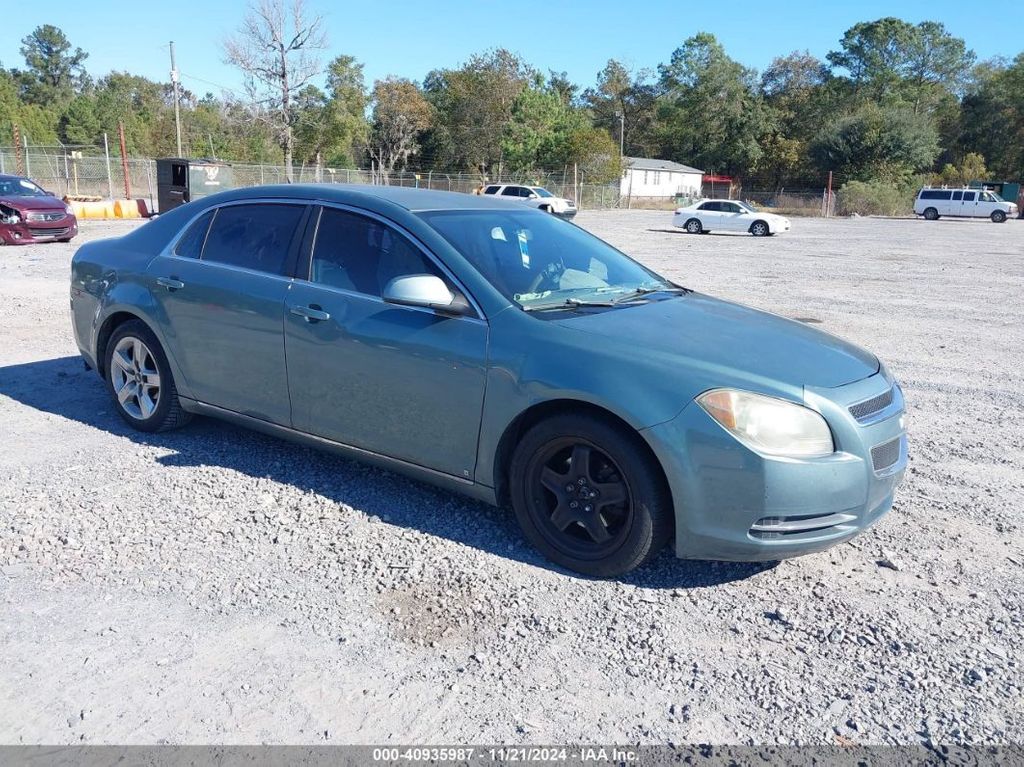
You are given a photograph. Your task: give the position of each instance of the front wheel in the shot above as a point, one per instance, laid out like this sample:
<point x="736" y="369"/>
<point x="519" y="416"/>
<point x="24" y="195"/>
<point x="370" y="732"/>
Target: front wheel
<point x="998" y="217"/>
<point x="590" y="496"/>
<point x="931" y="214"/>
<point x="140" y="381"/>
<point x="693" y="226"/>
<point x="759" y="229"/>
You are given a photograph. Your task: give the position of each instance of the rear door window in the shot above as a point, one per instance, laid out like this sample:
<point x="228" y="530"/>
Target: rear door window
<point x="256" y="236"/>
<point x="957" y="196"/>
<point x="511" y="191"/>
<point x="969" y="196"/>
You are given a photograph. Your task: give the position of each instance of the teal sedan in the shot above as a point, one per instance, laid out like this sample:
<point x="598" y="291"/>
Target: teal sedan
<point x="503" y="353"/>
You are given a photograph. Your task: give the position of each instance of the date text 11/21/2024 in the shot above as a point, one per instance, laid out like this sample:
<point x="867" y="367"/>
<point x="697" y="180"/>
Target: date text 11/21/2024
<point x="538" y="754"/>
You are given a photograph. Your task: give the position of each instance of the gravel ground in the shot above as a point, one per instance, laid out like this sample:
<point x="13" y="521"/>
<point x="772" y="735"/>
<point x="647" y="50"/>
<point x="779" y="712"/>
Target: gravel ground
<point x="215" y="585"/>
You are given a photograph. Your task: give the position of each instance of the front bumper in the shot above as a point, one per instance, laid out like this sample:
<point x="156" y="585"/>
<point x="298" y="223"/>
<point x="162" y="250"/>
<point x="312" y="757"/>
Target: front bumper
<point x="28" y="232"/>
<point x="568" y="214"/>
<point x="734" y="504"/>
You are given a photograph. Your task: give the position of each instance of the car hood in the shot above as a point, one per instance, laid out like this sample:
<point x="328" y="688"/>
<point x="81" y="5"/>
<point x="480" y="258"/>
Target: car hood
<point x="31" y="203"/>
<point x="728" y="340"/>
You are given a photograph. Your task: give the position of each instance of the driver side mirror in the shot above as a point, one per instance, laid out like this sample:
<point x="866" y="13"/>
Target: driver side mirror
<point x="427" y="291"/>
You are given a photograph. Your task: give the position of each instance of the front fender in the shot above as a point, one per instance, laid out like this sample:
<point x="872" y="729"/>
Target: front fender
<point x="522" y="375"/>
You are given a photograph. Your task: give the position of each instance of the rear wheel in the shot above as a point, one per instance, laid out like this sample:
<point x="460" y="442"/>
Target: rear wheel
<point x="589" y="496"/>
<point x="931" y="214"/>
<point x="759" y="229"/>
<point x="140" y="381"/>
<point x="998" y="217"/>
<point x="693" y="226"/>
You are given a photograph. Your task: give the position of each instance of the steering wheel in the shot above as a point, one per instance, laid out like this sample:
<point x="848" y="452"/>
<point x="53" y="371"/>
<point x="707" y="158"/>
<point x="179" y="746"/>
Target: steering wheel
<point x="547" y="277"/>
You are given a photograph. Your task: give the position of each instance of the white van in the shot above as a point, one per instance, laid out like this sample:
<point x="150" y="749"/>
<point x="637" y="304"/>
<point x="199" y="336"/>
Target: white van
<point x="973" y="203"/>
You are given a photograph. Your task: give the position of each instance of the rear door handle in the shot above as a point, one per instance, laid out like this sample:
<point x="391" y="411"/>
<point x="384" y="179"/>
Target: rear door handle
<point x="311" y="313"/>
<point x="170" y="283"/>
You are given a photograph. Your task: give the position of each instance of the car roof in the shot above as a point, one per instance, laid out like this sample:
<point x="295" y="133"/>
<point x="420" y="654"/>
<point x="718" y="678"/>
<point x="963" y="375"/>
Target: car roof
<point x="411" y="199"/>
<point x="9" y="177"/>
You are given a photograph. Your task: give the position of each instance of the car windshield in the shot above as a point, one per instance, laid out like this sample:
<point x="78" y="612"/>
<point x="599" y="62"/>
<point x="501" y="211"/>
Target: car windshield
<point x="747" y="205"/>
<point x="540" y="261"/>
<point x="541" y="191"/>
<point x="20" y="187"/>
<point x="993" y="197"/>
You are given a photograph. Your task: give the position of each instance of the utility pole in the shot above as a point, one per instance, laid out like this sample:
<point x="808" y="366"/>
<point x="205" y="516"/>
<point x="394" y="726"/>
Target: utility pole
<point x="174" y="87"/>
<point x="622" y="133"/>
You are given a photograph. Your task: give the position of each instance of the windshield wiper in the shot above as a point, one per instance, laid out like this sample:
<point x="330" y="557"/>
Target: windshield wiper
<point x="569" y="303"/>
<point x="643" y="291"/>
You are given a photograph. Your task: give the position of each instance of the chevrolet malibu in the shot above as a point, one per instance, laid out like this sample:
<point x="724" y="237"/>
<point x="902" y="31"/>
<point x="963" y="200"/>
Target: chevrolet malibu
<point x="494" y="350"/>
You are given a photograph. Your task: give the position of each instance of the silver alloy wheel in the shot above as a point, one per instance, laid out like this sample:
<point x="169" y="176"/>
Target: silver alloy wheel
<point x="135" y="377"/>
<point x="759" y="229"/>
<point x="693" y="226"/>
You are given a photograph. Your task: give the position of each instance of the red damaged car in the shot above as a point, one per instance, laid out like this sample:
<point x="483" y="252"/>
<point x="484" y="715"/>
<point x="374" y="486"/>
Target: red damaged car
<point x="30" y="214"/>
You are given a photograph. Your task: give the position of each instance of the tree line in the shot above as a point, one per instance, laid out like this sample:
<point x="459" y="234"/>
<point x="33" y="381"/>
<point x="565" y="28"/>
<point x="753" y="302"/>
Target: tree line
<point x="892" y="101"/>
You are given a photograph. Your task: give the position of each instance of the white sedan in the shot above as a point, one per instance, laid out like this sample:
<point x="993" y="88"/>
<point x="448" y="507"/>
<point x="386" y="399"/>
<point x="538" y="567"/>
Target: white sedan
<point x="728" y="216"/>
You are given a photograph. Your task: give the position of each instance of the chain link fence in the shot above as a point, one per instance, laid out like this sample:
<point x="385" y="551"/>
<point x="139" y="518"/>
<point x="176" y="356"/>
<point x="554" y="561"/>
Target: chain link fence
<point x="74" y="171"/>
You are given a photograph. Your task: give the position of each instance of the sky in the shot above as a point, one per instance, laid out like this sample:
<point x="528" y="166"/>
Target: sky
<point x="408" y="38"/>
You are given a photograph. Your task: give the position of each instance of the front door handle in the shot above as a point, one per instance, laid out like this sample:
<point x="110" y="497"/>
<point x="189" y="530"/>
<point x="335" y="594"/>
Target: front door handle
<point x="170" y="283"/>
<point x="312" y="313"/>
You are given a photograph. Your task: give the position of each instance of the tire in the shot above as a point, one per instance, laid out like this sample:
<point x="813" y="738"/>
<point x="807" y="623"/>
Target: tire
<point x="607" y="515"/>
<point x="998" y="217"/>
<point x="931" y="214"/>
<point x="693" y="226"/>
<point x="760" y="229"/>
<point x="134" y="360"/>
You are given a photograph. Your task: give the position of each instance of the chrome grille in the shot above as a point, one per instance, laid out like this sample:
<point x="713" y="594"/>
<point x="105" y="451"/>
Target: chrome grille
<point x="39" y="232"/>
<point x="864" y="410"/>
<point x="47" y="215"/>
<point x="885" y="455"/>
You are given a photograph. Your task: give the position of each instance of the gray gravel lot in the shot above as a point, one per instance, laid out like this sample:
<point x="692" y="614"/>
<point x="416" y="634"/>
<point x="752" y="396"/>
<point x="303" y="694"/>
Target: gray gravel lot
<point x="215" y="585"/>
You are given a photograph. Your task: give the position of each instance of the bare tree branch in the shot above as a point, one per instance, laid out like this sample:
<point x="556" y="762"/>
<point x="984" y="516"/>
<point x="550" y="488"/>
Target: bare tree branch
<point x="275" y="47"/>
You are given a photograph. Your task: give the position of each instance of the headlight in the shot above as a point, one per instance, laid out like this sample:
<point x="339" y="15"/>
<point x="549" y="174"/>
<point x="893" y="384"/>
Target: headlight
<point x="768" y="425"/>
<point x="68" y="209"/>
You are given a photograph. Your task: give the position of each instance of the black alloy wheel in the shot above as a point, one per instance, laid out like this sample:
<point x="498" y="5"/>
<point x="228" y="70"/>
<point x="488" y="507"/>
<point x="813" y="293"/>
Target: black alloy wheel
<point x="579" y="497"/>
<point x="589" y="495"/>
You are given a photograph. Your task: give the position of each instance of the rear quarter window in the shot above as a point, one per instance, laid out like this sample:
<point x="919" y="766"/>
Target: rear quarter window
<point x="936" y="194"/>
<point x="191" y="243"/>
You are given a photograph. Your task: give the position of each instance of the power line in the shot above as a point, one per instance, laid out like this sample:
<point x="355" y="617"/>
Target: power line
<point x="232" y="91"/>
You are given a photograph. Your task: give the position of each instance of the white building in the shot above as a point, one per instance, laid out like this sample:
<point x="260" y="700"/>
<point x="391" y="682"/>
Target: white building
<point x="643" y="177"/>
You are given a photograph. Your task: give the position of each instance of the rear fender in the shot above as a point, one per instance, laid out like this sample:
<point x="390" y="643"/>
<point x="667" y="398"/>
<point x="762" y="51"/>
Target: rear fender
<point x="136" y="300"/>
